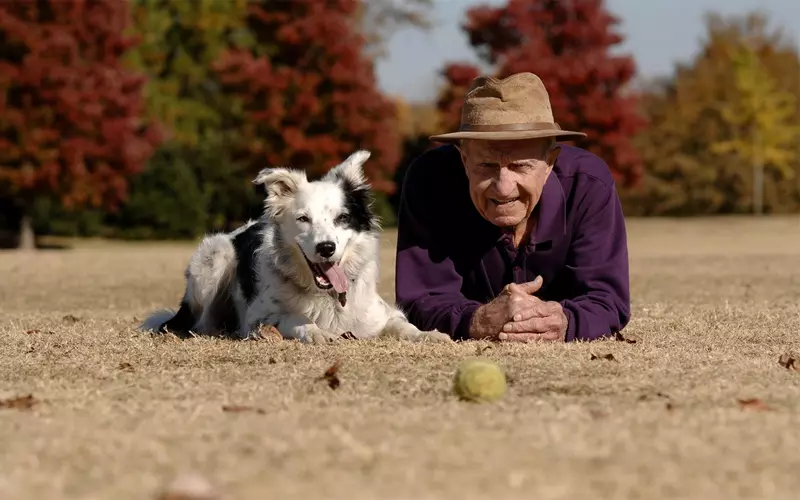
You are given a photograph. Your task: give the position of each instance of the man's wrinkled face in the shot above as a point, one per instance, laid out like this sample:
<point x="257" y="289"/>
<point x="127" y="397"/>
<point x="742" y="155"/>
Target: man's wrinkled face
<point x="506" y="178"/>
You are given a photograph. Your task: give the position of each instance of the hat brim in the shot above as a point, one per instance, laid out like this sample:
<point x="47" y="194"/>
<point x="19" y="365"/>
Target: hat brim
<point x="507" y="135"/>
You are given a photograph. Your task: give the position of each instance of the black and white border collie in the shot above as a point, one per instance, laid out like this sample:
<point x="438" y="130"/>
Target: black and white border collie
<point x="308" y="266"/>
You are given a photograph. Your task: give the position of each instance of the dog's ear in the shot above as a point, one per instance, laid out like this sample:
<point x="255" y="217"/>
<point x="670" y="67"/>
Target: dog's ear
<point x="279" y="182"/>
<point x="351" y="170"/>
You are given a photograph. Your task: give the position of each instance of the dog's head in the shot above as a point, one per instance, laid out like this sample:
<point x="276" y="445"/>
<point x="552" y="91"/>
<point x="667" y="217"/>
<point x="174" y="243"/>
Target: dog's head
<point x="319" y="219"/>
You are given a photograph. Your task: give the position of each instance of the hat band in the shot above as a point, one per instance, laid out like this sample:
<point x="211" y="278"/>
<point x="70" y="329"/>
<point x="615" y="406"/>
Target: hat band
<point x="510" y="127"/>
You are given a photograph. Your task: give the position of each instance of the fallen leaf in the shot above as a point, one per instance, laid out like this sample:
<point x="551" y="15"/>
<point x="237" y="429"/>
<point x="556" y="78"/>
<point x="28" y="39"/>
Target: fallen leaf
<point x="19" y="402"/>
<point x="790" y="361"/>
<point x="269" y="332"/>
<point x="189" y="487"/>
<point x="34" y="332"/>
<point x="125" y="366"/>
<point x="242" y="409"/>
<point x="481" y="349"/>
<point x="597" y="414"/>
<point x="70" y="318"/>
<point x="627" y="337"/>
<point x="331" y="375"/>
<point x="753" y="404"/>
<point x="607" y="357"/>
<point x="348" y="336"/>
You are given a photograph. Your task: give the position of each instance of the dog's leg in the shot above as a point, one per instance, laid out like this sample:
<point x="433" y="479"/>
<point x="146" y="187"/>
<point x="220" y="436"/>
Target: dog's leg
<point x="211" y="270"/>
<point x="398" y="327"/>
<point x="291" y="327"/>
<point x="264" y="311"/>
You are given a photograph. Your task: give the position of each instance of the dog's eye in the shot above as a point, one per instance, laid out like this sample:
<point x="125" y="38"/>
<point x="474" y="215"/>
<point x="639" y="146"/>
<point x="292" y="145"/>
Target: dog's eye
<point x="303" y="218"/>
<point x="342" y="219"/>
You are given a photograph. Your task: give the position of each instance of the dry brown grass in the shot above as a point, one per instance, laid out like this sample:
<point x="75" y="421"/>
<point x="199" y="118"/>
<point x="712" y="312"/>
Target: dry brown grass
<point x="716" y="302"/>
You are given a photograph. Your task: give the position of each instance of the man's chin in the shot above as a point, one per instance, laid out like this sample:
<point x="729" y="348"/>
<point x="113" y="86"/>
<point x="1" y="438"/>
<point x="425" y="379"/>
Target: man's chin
<point x="508" y="221"/>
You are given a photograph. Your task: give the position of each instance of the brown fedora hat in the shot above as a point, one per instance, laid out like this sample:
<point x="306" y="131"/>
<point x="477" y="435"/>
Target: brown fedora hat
<point x="516" y="107"/>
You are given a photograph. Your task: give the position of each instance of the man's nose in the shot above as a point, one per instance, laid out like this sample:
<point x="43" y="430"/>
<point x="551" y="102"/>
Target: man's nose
<point x="504" y="183"/>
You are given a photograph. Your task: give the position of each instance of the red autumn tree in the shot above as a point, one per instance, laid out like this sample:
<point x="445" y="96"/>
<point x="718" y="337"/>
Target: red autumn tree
<point x="309" y="92"/>
<point x="566" y="43"/>
<point x="69" y="112"/>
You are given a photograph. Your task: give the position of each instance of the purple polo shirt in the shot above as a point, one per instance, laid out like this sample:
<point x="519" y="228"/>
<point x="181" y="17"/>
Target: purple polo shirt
<point x="450" y="260"/>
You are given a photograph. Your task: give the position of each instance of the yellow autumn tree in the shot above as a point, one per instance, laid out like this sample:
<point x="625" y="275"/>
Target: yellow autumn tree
<point x="762" y="123"/>
<point x="705" y="121"/>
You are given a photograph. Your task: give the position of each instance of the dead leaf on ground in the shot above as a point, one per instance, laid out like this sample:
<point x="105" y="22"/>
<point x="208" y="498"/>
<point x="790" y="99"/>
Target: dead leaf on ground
<point x="597" y="414"/>
<point x="269" y="332"/>
<point x="19" y="402"/>
<point x="125" y="367"/>
<point x="189" y="487"/>
<point x="481" y="349"/>
<point x="242" y="409"/>
<point x="669" y="405"/>
<point x="69" y="318"/>
<point x="627" y="337"/>
<point x="35" y="331"/>
<point x="753" y="404"/>
<point x="790" y="361"/>
<point x="607" y="357"/>
<point x="331" y="375"/>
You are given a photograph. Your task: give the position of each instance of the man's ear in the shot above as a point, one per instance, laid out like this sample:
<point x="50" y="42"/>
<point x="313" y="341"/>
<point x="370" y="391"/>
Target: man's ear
<point x="552" y="155"/>
<point x="461" y="146"/>
<point x="281" y="184"/>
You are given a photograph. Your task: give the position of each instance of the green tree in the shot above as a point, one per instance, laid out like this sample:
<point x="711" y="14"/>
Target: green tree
<point x="181" y="41"/>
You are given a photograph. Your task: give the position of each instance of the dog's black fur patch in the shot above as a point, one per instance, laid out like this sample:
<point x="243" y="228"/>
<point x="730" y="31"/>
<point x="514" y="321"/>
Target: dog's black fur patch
<point x="360" y="217"/>
<point x="181" y="323"/>
<point x="245" y="244"/>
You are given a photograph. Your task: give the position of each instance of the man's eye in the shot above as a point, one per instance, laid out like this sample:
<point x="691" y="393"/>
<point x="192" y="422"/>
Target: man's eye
<point x="303" y="218"/>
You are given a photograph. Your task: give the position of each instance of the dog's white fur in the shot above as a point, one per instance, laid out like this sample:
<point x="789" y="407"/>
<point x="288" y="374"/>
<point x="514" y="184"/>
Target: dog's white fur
<point x="298" y="215"/>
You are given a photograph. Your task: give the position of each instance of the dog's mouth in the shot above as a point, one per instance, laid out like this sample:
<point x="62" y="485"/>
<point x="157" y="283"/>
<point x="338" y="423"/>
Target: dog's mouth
<point x="328" y="275"/>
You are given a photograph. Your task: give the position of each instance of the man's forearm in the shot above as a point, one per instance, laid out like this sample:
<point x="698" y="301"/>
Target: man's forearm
<point x="590" y="318"/>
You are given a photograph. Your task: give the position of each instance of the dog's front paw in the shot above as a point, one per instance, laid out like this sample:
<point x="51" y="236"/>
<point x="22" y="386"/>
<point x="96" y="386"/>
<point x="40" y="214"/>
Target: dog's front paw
<point x="316" y="335"/>
<point x="434" y="336"/>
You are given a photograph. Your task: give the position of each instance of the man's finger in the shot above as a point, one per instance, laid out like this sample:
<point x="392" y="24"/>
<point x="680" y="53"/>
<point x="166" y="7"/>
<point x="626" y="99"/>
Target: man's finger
<point x="527" y="337"/>
<point x="531" y="286"/>
<point x="533" y="325"/>
<point x="539" y="310"/>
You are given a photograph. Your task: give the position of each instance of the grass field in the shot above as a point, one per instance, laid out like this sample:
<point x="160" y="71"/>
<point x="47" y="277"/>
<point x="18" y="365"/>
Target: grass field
<point x="118" y="413"/>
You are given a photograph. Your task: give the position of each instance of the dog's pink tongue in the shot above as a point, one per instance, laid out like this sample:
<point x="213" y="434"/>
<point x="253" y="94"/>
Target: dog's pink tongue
<point x="336" y="276"/>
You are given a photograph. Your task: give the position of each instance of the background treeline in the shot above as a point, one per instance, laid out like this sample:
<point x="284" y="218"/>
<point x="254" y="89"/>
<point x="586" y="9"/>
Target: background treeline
<point x="148" y="118"/>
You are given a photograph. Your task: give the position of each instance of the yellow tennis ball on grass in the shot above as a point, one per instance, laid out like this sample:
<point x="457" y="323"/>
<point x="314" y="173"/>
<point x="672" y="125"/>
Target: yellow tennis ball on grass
<point x="480" y="381"/>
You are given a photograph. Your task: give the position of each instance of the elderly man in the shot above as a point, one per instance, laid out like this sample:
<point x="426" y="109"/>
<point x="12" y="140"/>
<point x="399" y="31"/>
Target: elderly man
<point x="506" y="235"/>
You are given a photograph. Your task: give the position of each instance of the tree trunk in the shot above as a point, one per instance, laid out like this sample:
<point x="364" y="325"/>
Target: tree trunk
<point x="27" y="239"/>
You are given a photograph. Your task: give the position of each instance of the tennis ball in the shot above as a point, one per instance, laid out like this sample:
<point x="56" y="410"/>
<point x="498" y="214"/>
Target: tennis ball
<point x="480" y="381"/>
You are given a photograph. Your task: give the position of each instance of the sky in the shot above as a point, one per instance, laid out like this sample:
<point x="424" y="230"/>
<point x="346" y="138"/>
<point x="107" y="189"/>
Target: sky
<point x="658" y="33"/>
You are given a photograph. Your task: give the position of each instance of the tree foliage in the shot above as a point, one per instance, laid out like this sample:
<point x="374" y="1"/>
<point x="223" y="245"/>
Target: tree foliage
<point x="70" y="114"/>
<point x="733" y="108"/>
<point x="181" y="41"/>
<point x="309" y="92"/>
<point x="567" y="44"/>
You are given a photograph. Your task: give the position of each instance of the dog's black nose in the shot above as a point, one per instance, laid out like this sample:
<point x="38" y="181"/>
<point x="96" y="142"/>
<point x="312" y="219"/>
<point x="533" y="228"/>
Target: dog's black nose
<point x="326" y="248"/>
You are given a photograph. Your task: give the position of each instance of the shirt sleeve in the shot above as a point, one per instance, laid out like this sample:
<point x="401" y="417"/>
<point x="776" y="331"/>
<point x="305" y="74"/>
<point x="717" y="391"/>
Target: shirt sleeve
<point x="427" y="284"/>
<point x="597" y="264"/>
